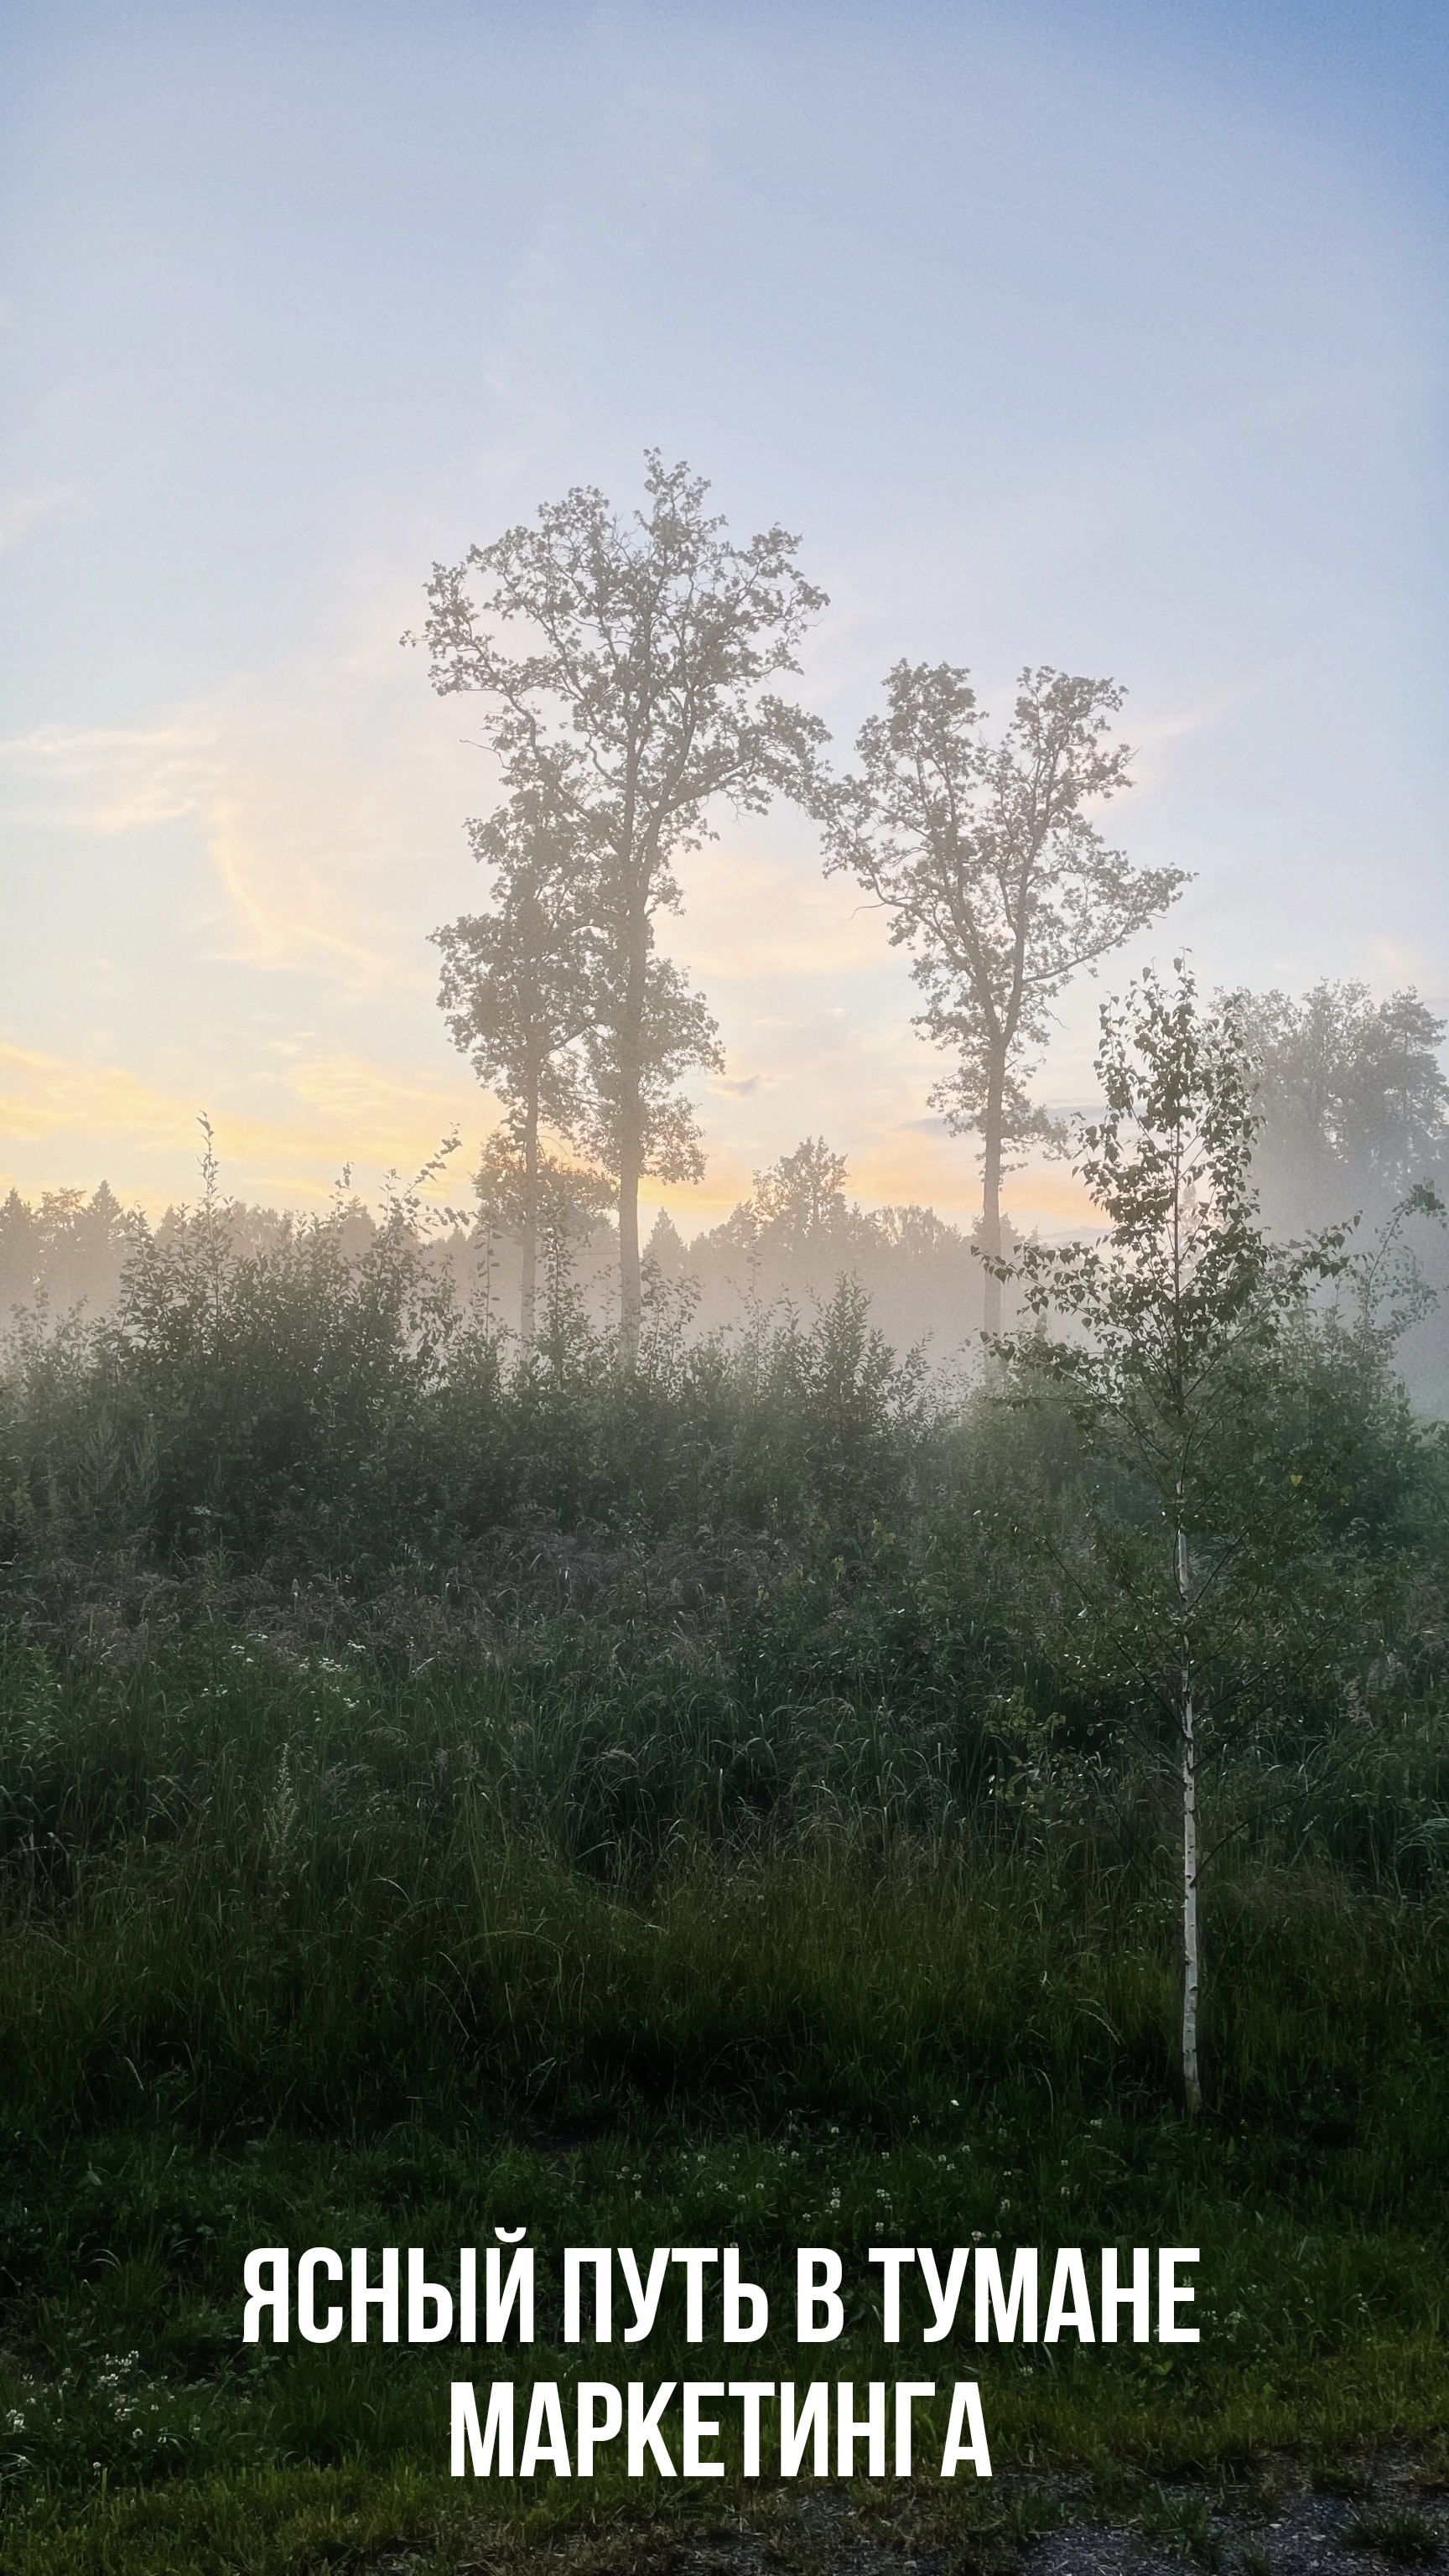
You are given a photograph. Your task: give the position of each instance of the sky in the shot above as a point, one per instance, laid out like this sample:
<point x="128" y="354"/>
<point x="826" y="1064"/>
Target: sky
<point x="1102" y="333"/>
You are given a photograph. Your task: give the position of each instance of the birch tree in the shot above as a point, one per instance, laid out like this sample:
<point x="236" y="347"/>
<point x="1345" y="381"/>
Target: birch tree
<point x="1181" y="1316"/>
<point x="642" y="698"/>
<point x="996" y="879"/>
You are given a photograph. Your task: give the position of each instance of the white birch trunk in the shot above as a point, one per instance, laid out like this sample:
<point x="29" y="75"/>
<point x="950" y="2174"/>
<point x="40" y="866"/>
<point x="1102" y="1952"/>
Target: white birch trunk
<point x="528" y="1246"/>
<point x="1191" y="2082"/>
<point x="991" y="1197"/>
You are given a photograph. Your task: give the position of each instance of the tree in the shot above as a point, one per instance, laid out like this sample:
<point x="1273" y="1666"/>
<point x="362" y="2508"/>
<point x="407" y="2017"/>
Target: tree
<point x="994" y="876"/>
<point x="1354" y="1101"/>
<point x="552" y="1212"/>
<point x="803" y="1194"/>
<point x="1183" y="1319"/>
<point x="518" y="992"/>
<point x="68" y="1252"/>
<point x="646" y="1032"/>
<point x="643" y="699"/>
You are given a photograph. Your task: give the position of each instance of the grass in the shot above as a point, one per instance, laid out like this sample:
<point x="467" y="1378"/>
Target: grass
<point x="299" y="1949"/>
<point x="1409" y="2539"/>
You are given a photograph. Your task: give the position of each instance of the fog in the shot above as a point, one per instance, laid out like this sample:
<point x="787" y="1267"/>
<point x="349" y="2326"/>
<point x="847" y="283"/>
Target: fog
<point x="1354" y="1109"/>
<point x="1114" y="341"/>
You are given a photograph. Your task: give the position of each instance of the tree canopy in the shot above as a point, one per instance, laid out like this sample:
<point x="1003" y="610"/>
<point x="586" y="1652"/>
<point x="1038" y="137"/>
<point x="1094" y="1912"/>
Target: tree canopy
<point x="519" y="997"/>
<point x="994" y="876"/>
<point x="642" y="697"/>
<point x="1189" y="1368"/>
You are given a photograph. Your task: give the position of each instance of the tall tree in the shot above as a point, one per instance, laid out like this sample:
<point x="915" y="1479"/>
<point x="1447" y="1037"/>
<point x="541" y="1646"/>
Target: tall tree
<point x="646" y="1032"/>
<point x="644" y="697"/>
<point x="996" y="879"/>
<point x="1174" y="1373"/>
<point x="519" y="994"/>
<point x="1354" y="1100"/>
<point x="558" y="1208"/>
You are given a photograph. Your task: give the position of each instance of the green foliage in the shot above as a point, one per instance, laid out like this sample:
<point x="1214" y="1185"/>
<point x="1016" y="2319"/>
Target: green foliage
<point x="297" y="1949"/>
<point x="1247" y="1453"/>
<point x="316" y="1410"/>
<point x="66" y="1251"/>
<point x="671" y="1803"/>
<point x="1227" y="1535"/>
<point x="1406" y="2538"/>
<point x="1353" y="1099"/>
<point x="646" y="697"/>
<point x="993" y="875"/>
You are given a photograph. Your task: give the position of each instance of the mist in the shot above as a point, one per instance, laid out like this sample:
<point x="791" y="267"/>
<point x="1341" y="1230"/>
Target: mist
<point x="724" y="1288"/>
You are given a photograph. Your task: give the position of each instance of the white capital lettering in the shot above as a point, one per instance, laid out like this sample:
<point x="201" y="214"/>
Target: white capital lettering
<point x="1138" y="2298"/>
<point x="966" y="2415"/>
<point x="385" y="2297"/>
<point x="892" y="2259"/>
<point x="496" y="2436"/>
<point x="593" y="2426"/>
<point x="1169" y="2297"/>
<point x="944" y="2301"/>
<point x="318" y="2258"/>
<point x="817" y="2278"/>
<point x="264" y="2278"/>
<point x="753" y="2395"/>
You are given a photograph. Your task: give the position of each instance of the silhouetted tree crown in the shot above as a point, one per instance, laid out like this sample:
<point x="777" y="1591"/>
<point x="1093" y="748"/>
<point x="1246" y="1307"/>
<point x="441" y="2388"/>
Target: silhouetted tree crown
<point x="994" y="877"/>
<point x="641" y="697"/>
<point x="1354" y="1100"/>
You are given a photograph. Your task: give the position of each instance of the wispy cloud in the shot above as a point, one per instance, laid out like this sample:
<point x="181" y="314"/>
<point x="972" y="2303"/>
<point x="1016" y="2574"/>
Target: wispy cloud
<point x="44" y="1095"/>
<point x="98" y="780"/>
<point x="321" y="806"/>
<point x="755" y="914"/>
<point x="24" y="506"/>
<point x="330" y="1110"/>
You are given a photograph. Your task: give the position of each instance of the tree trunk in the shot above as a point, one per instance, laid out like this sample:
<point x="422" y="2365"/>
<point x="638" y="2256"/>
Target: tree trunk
<point x="991" y="1195"/>
<point x="528" y="1249"/>
<point x="631" y="1294"/>
<point x="631" y="1134"/>
<point x="1191" y="2083"/>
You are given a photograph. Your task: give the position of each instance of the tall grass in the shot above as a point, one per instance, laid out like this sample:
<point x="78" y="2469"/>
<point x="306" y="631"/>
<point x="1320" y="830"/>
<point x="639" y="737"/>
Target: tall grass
<point x="303" y="1949"/>
<point x="317" y="1894"/>
<point x="673" y="1805"/>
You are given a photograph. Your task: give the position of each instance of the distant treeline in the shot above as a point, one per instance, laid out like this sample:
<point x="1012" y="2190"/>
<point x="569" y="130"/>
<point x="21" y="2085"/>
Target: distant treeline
<point x="789" y="1243"/>
<point x="1356" y="1111"/>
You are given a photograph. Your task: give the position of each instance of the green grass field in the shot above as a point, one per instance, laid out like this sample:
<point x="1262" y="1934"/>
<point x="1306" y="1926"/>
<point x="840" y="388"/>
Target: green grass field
<point x="300" y="1951"/>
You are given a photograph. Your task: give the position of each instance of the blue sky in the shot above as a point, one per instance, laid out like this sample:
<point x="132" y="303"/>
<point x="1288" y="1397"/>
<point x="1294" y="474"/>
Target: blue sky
<point x="1108" y="336"/>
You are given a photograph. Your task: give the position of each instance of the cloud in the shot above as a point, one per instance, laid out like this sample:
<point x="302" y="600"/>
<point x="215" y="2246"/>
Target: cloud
<point x="328" y="811"/>
<point x="23" y="507"/>
<point x="751" y="914"/>
<point x="43" y="1096"/>
<point x="102" y="781"/>
<point x="384" y="1109"/>
<point x="1045" y="1194"/>
<point x="326" y="806"/>
<point x="332" y="1110"/>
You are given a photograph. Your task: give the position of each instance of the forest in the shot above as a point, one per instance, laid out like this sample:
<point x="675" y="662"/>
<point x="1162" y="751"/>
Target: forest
<point x="850" y="1731"/>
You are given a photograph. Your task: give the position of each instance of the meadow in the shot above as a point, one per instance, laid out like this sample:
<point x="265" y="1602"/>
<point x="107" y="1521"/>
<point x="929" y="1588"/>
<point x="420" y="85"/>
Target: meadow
<point x="673" y="1807"/>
